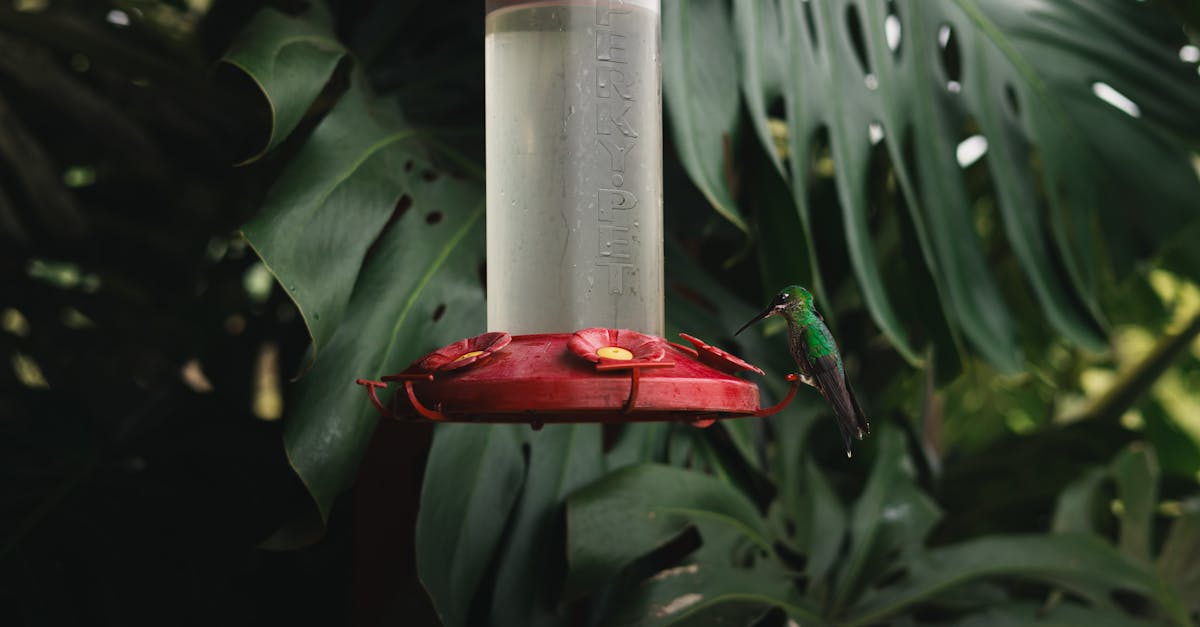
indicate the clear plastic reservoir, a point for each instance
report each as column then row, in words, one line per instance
column 574, row 166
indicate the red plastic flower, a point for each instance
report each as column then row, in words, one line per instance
column 602, row 345
column 463, row 353
column 719, row 359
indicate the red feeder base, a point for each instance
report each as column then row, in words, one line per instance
column 537, row 379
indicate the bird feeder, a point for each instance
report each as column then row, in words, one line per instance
column 574, row 239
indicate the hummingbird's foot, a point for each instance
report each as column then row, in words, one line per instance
column 807, row 380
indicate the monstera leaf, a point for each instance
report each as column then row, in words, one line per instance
column 270, row 50
column 377, row 246
column 1134, row 475
column 1082, row 188
column 737, row 566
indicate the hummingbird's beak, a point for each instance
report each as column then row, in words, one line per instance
column 766, row 312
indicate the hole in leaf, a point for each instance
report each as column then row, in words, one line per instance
column 811, row 23
column 971, row 155
column 822, row 164
column 402, row 205
column 439, row 312
column 875, row 132
column 1109, row 94
column 433, row 218
column 778, row 126
column 892, row 30
column 777, row 108
column 854, row 27
column 971, row 150
column 1010, row 98
column 951, row 59
column 429, row 175
column 408, row 165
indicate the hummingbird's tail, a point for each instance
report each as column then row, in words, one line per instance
column 852, row 421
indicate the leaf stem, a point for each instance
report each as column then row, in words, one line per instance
column 1118, row 399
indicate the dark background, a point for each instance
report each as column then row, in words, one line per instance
column 126, row 495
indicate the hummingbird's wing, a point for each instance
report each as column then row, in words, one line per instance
column 832, row 383
column 830, row 379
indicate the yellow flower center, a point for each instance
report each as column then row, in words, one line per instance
column 467, row 355
column 614, row 352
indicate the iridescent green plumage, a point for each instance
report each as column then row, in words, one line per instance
column 816, row 354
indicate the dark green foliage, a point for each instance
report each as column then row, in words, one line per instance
column 359, row 127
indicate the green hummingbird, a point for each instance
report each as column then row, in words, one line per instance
column 816, row 354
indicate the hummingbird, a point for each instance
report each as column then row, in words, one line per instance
column 816, row 354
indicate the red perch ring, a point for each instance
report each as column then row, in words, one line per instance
column 593, row 375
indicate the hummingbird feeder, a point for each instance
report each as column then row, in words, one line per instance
column 574, row 239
